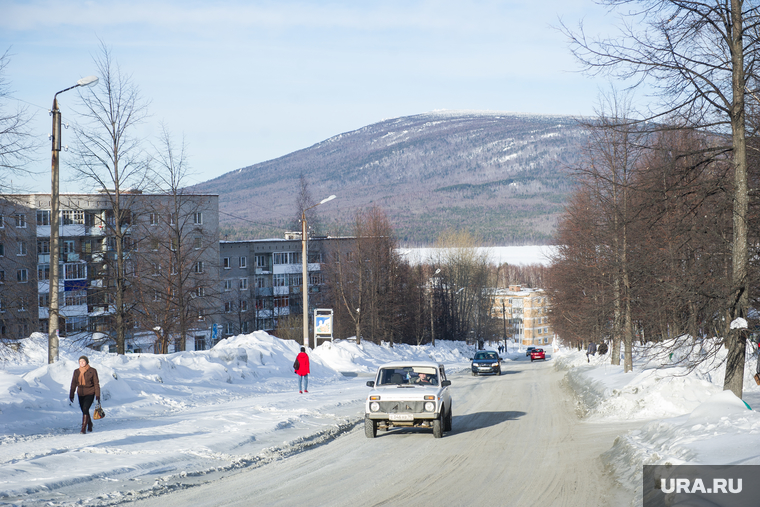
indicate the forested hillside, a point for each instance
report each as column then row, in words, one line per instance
column 501, row 176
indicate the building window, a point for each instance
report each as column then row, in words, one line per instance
column 154, row 219
column 22, row 275
column 243, row 305
column 2, row 306
column 43, row 217
column 2, row 221
column 200, row 343
column 77, row 271
column 172, row 218
column 21, row 248
column 43, row 246
column 2, row 275
column 280, row 280
column 261, row 261
column 229, row 329
column 261, row 282
column 244, row 327
column 2, row 250
column 281, row 302
column 243, row 284
column 294, row 257
column 198, row 218
column 226, row 263
column 197, row 242
column 20, row 220
column 68, row 246
column 243, row 262
column 280, row 257
column 198, row 267
column 199, row 292
column 43, row 300
column 75, row 298
column 72, row 217
column 43, row 271
column 228, row 285
column 227, row 306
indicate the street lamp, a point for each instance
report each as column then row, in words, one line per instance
column 305, row 283
column 432, row 317
column 54, row 201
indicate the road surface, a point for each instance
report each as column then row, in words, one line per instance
column 516, row 440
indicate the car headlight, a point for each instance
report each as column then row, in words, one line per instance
column 430, row 406
column 494, row 365
column 374, row 406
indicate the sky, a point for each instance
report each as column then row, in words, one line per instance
column 249, row 81
column 171, row 416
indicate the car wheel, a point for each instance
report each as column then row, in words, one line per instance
column 449, row 417
column 531, row 359
column 370, row 427
column 474, row 374
column 438, row 426
column 498, row 372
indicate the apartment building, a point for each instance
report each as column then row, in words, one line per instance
column 262, row 280
column 526, row 311
column 155, row 228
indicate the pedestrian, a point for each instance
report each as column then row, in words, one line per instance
column 87, row 386
column 591, row 350
column 301, row 366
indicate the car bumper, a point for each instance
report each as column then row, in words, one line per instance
column 402, row 417
column 485, row 369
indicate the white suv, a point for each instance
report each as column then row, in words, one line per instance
column 408, row 394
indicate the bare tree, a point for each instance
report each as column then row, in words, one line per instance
column 702, row 57
column 463, row 301
column 109, row 155
column 304, row 201
column 173, row 285
column 16, row 141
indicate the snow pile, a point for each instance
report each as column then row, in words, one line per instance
column 686, row 416
column 170, row 418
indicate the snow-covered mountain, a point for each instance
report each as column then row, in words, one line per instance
column 501, row 175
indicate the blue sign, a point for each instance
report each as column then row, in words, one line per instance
column 214, row 331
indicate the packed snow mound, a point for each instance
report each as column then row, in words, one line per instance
column 686, row 416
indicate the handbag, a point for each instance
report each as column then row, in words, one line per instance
column 98, row 413
column 296, row 365
column 757, row 378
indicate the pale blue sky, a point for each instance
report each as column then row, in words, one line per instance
column 248, row 81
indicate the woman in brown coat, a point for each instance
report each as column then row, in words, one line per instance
column 85, row 382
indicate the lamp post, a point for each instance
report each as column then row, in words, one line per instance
column 54, row 201
column 432, row 316
column 304, row 261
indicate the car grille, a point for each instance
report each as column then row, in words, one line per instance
column 396, row 407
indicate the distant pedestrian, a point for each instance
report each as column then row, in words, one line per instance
column 602, row 349
column 301, row 367
column 591, row 351
column 87, row 386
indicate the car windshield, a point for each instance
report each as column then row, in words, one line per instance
column 486, row 355
column 407, row 375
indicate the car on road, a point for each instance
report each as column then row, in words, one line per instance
column 409, row 394
column 537, row 354
column 485, row 361
column 528, row 351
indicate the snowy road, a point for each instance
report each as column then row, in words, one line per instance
column 516, row 441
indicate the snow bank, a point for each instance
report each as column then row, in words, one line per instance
column 686, row 416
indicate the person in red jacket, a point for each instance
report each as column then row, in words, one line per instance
column 86, row 384
column 303, row 371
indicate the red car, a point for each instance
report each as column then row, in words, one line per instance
column 536, row 354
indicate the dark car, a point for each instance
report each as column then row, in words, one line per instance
column 486, row 361
column 537, row 354
column 529, row 350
